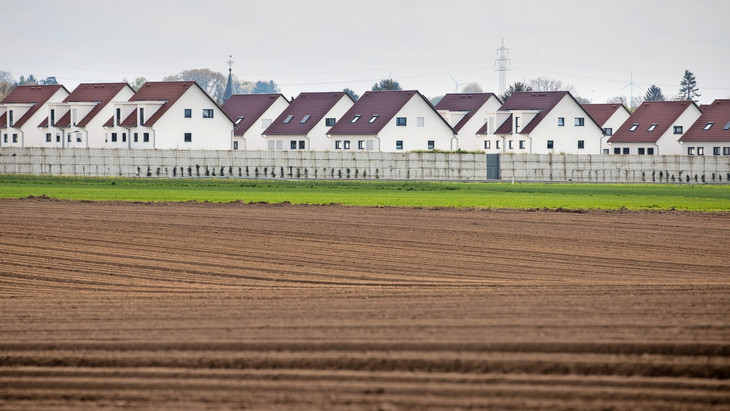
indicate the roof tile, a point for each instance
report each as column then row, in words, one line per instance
column 717, row 113
column 249, row 106
column 470, row 102
column 316, row 105
column 661, row 113
column 31, row 93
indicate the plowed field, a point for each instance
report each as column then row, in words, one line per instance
column 234, row 306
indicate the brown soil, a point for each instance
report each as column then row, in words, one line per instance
column 231, row 306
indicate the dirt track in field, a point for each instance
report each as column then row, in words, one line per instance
column 234, row 306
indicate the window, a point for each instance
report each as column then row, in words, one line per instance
column 715, row 151
column 361, row 144
column 580, row 121
column 293, row 144
column 522, row 144
column 114, row 137
column 188, row 137
column 288, row 118
column 608, row 131
column 5, row 138
column 605, row 151
column 188, row 113
column 15, row 138
column 700, row 151
column 650, row 151
column 419, row 121
column 304, row 119
column 146, row 137
column 141, row 115
column 509, row 144
column 373, row 118
column 708, row 126
column 265, row 122
column 633, row 127
column 616, row 150
column 10, row 118
column 53, row 117
column 136, row 137
column 235, row 145
column 652, row 127
column 517, row 127
column 68, row 137
column 727, row 126
column 124, row 137
column 400, row 121
column 726, row 151
column 550, row 144
column 399, row 144
column 431, row 144
column 302, row 144
column 496, row 144
column 48, row 137
column 641, row 151
column 626, row 150
column 581, row 144
column 487, row 144
column 79, row 140
column 207, row 113
column 357, row 117
column 329, row 122
column 690, row 151
column 346, row 144
column 678, row 130
column 338, row 144
column 561, row 121
column 58, row 138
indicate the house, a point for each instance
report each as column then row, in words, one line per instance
column 466, row 113
column 23, row 109
column 610, row 117
column 392, row 121
column 710, row 134
column 655, row 128
column 253, row 113
column 305, row 123
column 541, row 123
column 177, row 115
column 78, row 121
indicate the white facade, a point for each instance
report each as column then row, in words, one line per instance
column 467, row 138
column 29, row 134
column 253, row 138
column 612, row 124
column 668, row 143
column 567, row 128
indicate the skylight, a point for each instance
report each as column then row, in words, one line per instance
column 305, row 118
column 634, row 127
column 354, row 119
column 288, row 118
column 373, row 118
column 727, row 126
column 240, row 118
column 707, row 127
column 652, row 127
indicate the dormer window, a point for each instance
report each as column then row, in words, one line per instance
column 678, row 129
column 53, row 117
column 708, row 125
column 727, row 126
column 118, row 116
column 354, row 119
column 141, row 116
column 634, row 127
column 329, row 122
column 288, row 118
column 652, row 127
column 10, row 118
column 373, row 118
column 304, row 119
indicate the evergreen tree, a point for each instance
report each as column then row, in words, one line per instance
column 387, row 84
column 351, row 93
column 688, row 87
column 514, row 88
column 654, row 93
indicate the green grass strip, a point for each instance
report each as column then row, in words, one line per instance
column 377, row 193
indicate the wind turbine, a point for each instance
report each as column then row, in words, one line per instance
column 631, row 89
column 457, row 84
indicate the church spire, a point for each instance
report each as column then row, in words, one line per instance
column 229, row 86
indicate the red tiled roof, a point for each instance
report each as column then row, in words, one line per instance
column 64, row 121
column 541, row 100
column 249, row 106
column 470, row 102
column 504, row 128
column 383, row 104
column 167, row 91
column 131, row 120
column 3, row 119
column 602, row 112
column 717, row 113
column 315, row 105
column 663, row 113
column 102, row 93
column 31, row 93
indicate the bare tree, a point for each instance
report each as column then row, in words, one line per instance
column 546, row 84
column 7, row 83
column 212, row 82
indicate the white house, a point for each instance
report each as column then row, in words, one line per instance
column 253, row 113
column 176, row 115
column 23, row 109
column 304, row 125
column 79, row 120
column 541, row 123
column 655, row 128
column 466, row 113
column 392, row 121
column 710, row 133
column 610, row 117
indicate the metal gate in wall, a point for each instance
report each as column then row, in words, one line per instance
column 492, row 166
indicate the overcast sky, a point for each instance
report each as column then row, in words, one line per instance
column 324, row 45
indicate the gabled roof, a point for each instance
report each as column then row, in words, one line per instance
column 376, row 109
column 602, row 112
column 661, row 113
column 64, row 121
column 717, row 113
column 470, row 102
column 504, row 128
column 249, row 106
column 30, row 94
column 167, row 91
column 101, row 93
column 544, row 101
column 314, row 105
